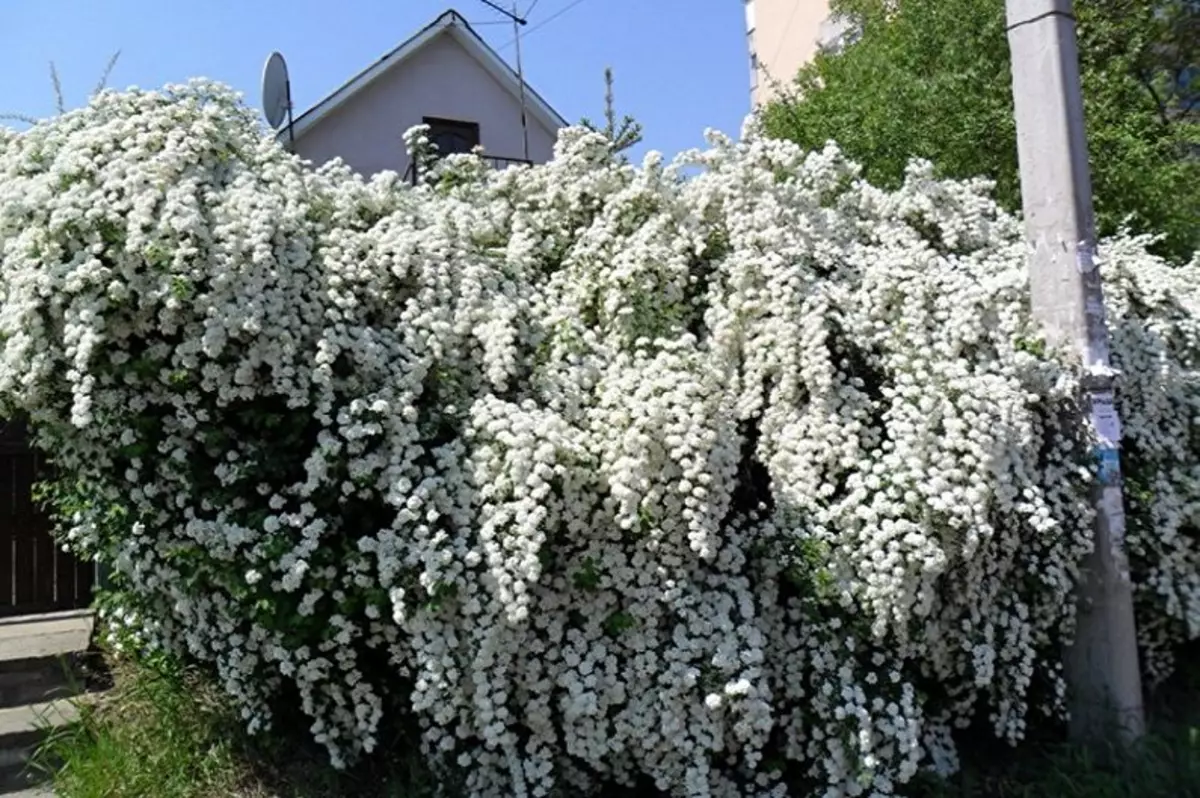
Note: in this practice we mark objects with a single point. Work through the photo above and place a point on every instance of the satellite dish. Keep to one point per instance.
(276, 91)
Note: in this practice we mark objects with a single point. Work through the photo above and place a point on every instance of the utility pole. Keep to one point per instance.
(1104, 680)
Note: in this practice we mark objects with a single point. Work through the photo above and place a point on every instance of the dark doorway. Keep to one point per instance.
(452, 136)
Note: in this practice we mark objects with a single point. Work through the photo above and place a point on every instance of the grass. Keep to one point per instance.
(153, 733)
(1164, 765)
(164, 731)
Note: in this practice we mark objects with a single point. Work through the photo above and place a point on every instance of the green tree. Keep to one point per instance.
(623, 134)
(931, 79)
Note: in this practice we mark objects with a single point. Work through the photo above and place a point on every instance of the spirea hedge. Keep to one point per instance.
(725, 473)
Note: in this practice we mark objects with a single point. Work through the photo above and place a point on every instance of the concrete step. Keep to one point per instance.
(21, 729)
(15, 721)
(40, 670)
(40, 636)
(43, 657)
(35, 681)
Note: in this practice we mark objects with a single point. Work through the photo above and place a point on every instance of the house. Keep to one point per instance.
(784, 35)
(446, 76)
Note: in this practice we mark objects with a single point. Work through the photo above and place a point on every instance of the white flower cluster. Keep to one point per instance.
(732, 473)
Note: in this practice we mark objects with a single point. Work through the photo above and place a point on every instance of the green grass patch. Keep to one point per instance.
(156, 732)
(166, 731)
(1165, 764)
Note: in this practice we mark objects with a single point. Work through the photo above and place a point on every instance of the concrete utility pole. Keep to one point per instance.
(1102, 662)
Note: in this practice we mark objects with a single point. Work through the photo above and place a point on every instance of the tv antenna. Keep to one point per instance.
(277, 94)
(517, 21)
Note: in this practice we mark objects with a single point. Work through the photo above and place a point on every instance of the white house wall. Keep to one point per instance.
(440, 80)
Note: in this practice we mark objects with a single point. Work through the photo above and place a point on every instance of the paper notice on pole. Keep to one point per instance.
(1085, 259)
(1105, 419)
(1109, 463)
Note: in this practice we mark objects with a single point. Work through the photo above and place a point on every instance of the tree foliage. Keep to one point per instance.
(931, 79)
(623, 134)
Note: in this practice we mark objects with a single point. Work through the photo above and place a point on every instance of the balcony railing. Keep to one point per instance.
(494, 161)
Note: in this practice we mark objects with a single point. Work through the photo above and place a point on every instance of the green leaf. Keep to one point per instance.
(619, 622)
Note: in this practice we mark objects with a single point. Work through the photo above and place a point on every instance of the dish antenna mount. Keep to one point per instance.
(277, 94)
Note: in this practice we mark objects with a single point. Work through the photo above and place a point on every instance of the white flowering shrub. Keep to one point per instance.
(750, 477)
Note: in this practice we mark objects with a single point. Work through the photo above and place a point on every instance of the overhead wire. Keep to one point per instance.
(510, 13)
(543, 23)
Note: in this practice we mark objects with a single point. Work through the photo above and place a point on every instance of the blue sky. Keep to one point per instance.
(679, 65)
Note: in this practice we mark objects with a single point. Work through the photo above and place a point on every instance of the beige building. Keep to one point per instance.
(783, 35)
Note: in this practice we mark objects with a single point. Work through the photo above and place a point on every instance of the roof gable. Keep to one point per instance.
(454, 25)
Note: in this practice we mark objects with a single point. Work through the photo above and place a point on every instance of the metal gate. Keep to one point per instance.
(36, 575)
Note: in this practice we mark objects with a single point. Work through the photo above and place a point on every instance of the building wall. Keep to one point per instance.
(782, 36)
(440, 80)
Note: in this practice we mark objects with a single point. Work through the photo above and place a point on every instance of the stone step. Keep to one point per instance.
(40, 636)
(43, 657)
(25, 682)
(21, 729)
(40, 659)
(16, 721)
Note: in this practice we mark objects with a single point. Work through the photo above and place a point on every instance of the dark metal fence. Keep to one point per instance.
(495, 161)
(36, 575)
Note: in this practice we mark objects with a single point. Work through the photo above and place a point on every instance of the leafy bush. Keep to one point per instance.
(597, 472)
